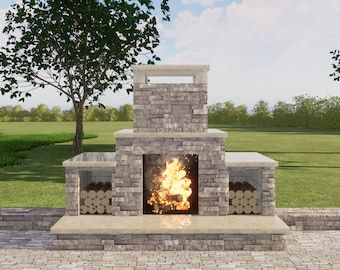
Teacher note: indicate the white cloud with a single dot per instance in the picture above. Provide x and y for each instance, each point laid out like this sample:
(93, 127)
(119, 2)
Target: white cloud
(261, 49)
(200, 2)
(257, 49)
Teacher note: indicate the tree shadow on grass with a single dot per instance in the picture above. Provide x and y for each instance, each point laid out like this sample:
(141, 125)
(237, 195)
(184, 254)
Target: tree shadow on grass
(45, 163)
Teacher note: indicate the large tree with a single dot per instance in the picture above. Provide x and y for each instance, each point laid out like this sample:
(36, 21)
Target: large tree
(336, 65)
(81, 48)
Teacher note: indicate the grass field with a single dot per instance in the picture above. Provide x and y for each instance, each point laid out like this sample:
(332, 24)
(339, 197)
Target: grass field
(308, 176)
(12, 145)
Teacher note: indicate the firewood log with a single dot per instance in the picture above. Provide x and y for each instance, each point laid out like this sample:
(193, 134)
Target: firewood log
(100, 194)
(107, 186)
(99, 186)
(92, 194)
(92, 209)
(177, 198)
(90, 186)
(100, 209)
(166, 209)
(241, 201)
(247, 209)
(88, 201)
(239, 209)
(256, 209)
(83, 194)
(96, 201)
(231, 209)
(108, 194)
(248, 186)
(84, 209)
(235, 202)
(231, 194)
(256, 194)
(105, 202)
(246, 202)
(237, 185)
(247, 194)
(108, 209)
(239, 194)
(252, 202)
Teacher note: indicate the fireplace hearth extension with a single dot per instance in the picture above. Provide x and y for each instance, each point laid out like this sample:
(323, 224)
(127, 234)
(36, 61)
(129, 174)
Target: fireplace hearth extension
(173, 185)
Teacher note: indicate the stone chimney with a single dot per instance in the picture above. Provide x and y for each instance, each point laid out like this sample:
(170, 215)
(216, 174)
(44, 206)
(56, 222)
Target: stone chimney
(170, 107)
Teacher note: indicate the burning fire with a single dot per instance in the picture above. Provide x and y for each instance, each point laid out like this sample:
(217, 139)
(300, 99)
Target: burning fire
(172, 189)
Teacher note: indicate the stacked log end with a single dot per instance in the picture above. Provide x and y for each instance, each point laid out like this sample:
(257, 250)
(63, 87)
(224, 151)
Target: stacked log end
(243, 199)
(96, 198)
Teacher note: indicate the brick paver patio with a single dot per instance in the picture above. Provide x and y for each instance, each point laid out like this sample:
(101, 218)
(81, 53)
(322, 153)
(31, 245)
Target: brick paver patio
(306, 250)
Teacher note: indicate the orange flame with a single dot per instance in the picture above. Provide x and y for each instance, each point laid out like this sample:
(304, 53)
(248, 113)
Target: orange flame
(172, 189)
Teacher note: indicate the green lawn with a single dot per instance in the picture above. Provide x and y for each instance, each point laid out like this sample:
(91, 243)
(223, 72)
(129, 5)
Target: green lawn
(12, 145)
(308, 176)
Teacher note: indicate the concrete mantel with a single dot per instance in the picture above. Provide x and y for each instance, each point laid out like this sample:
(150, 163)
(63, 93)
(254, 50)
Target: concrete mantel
(211, 133)
(142, 72)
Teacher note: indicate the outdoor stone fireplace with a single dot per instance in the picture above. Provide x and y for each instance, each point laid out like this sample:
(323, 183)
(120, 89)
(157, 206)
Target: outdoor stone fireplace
(170, 185)
(170, 120)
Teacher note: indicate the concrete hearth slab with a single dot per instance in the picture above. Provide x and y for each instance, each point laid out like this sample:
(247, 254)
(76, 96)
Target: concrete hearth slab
(170, 224)
(248, 160)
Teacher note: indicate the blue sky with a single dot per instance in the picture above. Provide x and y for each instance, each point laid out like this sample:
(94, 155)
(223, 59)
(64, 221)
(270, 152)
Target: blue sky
(256, 49)
(6, 3)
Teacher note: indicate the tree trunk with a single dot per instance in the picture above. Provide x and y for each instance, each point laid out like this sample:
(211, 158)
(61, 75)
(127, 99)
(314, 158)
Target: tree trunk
(78, 137)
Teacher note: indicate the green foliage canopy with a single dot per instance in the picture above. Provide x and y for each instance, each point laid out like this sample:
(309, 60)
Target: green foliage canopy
(304, 112)
(80, 48)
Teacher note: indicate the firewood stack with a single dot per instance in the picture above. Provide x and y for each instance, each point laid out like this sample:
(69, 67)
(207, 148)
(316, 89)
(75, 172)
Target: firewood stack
(243, 199)
(96, 198)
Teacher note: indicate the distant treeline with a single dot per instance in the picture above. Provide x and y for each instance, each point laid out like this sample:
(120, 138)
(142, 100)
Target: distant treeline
(44, 114)
(304, 111)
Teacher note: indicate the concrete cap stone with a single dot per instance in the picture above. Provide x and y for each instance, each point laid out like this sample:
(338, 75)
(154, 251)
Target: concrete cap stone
(248, 160)
(142, 72)
(92, 159)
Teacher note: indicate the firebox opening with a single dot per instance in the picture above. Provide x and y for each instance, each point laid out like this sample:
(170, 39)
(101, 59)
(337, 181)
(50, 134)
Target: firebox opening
(170, 184)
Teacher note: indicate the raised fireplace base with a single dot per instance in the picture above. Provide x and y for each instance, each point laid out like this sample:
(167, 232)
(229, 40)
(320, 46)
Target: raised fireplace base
(170, 232)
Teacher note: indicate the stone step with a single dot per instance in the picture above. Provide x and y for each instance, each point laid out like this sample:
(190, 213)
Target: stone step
(170, 232)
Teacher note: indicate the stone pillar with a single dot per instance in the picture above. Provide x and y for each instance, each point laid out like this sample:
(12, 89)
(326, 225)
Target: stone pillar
(268, 191)
(72, 180)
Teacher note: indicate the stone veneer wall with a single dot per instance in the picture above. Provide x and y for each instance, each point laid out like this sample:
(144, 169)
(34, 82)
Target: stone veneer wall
(310, 218)
(170, 108)
(206, 242)
(40, 219)
(127, 183)
(263, 179)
